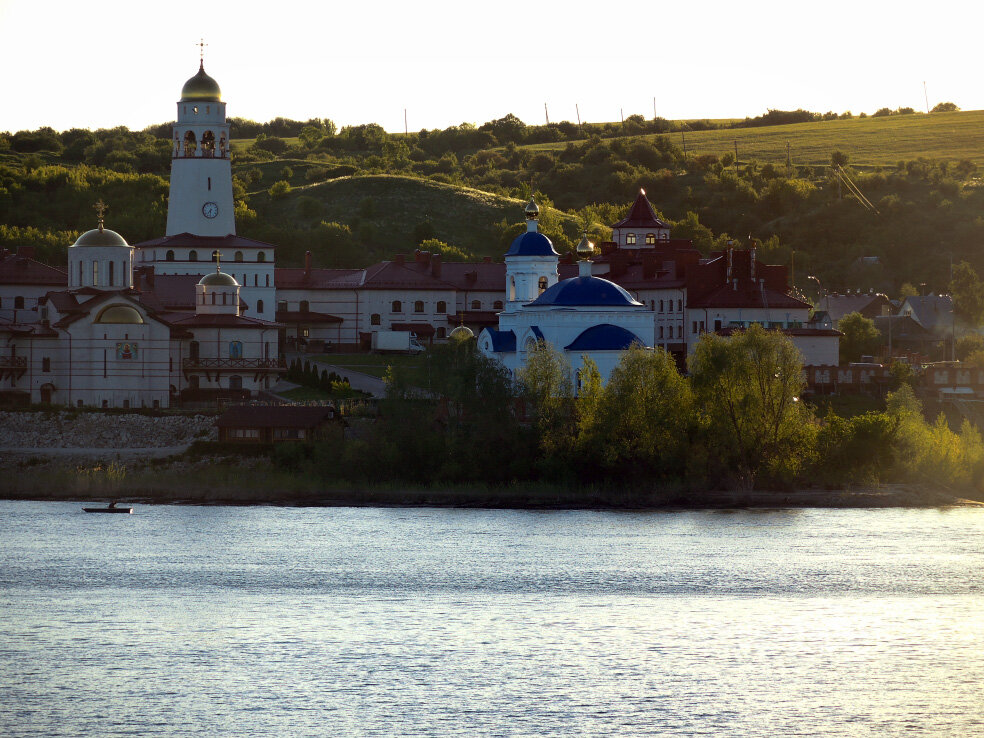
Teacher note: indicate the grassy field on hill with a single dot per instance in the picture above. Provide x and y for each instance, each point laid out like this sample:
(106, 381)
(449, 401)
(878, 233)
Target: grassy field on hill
(868, 141)
(383, 211)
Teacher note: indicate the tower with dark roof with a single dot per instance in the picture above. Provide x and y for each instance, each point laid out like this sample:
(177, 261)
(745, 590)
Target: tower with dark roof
(641, 228)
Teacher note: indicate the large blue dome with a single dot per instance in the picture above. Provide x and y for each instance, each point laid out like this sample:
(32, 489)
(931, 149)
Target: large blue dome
(604, 337)
(531, 243)
(586, 292)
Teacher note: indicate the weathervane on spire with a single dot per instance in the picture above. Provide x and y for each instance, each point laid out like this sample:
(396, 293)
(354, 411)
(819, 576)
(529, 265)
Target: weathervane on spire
(100, 207)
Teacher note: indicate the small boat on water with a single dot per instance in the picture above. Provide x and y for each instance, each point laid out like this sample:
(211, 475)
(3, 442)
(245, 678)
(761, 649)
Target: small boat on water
(111, 508)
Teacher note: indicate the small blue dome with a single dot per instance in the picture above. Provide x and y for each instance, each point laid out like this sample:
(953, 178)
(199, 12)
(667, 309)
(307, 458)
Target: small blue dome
(586, 292)
(604, 337)
(531, 243)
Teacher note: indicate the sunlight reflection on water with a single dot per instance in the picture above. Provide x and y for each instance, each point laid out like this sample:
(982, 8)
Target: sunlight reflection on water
(281, 621)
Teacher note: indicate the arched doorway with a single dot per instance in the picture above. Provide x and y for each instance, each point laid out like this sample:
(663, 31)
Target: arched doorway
(47, 393)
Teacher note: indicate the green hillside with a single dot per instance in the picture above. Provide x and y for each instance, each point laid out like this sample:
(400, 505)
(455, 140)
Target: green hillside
(388, 214)
(357, 195)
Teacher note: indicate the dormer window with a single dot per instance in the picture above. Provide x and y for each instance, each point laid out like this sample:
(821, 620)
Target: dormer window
(630, 239)
(650, 239)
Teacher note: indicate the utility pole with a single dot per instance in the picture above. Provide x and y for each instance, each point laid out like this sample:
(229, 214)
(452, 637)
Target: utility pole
(789, 161)
(577, 111)
(654, 109)
(621, 112)
(546, 113)
(406, 128)
(736, 157)
(926, 94)
(683, 135)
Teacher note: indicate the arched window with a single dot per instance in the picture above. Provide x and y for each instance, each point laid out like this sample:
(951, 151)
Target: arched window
(213, 298)
(304, 306)
(192, 256)
(256, 280)
(259, 306)
(238, 256)
(629, 239)
(208, 143)
(512, 288)
(650, 239)
(418, 306)
(476, 305)
(679, 306)
(235, 382)
(224, 295)
(396, 307)
(190, 143)
(374, 319)
(112, 275)
(19, 302)
(169, 256)
(215, 256)
(441, 333)
(95, 274)
(497, 305)
(261, 257)
(542, 284)
(442, 307)
(267, 280)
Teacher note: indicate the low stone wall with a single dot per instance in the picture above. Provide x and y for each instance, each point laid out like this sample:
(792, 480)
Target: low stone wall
(102, 430)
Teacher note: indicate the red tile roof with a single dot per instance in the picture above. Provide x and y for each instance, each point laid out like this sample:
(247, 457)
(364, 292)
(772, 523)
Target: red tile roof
(318, 279)
(217, 321)
(642, 215)
(390, 275)
(23, 270)
(296, 316)
(746, 297)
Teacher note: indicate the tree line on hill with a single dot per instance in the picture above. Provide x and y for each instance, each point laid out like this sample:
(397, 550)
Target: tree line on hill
(737, 421)
(922, 213)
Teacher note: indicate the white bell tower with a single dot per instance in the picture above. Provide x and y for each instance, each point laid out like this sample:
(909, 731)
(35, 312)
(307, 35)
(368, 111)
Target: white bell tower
(201, 174)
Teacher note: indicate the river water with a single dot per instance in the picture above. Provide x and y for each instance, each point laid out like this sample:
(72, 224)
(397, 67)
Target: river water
(262, 621)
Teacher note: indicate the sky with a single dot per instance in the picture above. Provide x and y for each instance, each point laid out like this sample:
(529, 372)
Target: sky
(103, 63)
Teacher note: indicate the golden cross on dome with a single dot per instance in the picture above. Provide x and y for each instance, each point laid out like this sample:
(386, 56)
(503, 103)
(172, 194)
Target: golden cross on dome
(100, 207)
(218, 256)
(201, 50)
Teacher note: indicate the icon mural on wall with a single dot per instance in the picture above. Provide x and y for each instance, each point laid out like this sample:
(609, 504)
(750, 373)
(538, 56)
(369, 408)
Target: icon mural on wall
(235, 349)
(126, 350)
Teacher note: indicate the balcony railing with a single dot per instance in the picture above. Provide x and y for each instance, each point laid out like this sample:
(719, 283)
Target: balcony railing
(212, 365)
(13, 362)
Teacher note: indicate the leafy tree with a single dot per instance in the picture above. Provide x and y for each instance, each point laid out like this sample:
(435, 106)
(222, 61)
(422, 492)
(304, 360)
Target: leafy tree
(279, 189)
(944, 107)
(967, 292)
(839, 159)
(749, 385)
(639, 424)
(908, 290)
(860, 337)
(972, 343)
(547, 388)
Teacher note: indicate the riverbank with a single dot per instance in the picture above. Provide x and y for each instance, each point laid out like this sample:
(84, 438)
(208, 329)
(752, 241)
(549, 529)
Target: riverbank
(255, 481)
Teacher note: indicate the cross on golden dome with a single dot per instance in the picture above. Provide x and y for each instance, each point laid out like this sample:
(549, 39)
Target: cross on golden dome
(201, 50)
(100, 207)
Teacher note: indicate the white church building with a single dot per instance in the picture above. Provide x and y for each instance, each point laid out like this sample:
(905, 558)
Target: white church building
(582, 316)
(185, 330)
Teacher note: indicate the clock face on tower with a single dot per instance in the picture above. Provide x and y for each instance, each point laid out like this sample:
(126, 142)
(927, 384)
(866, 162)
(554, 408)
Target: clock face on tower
(210, 210)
